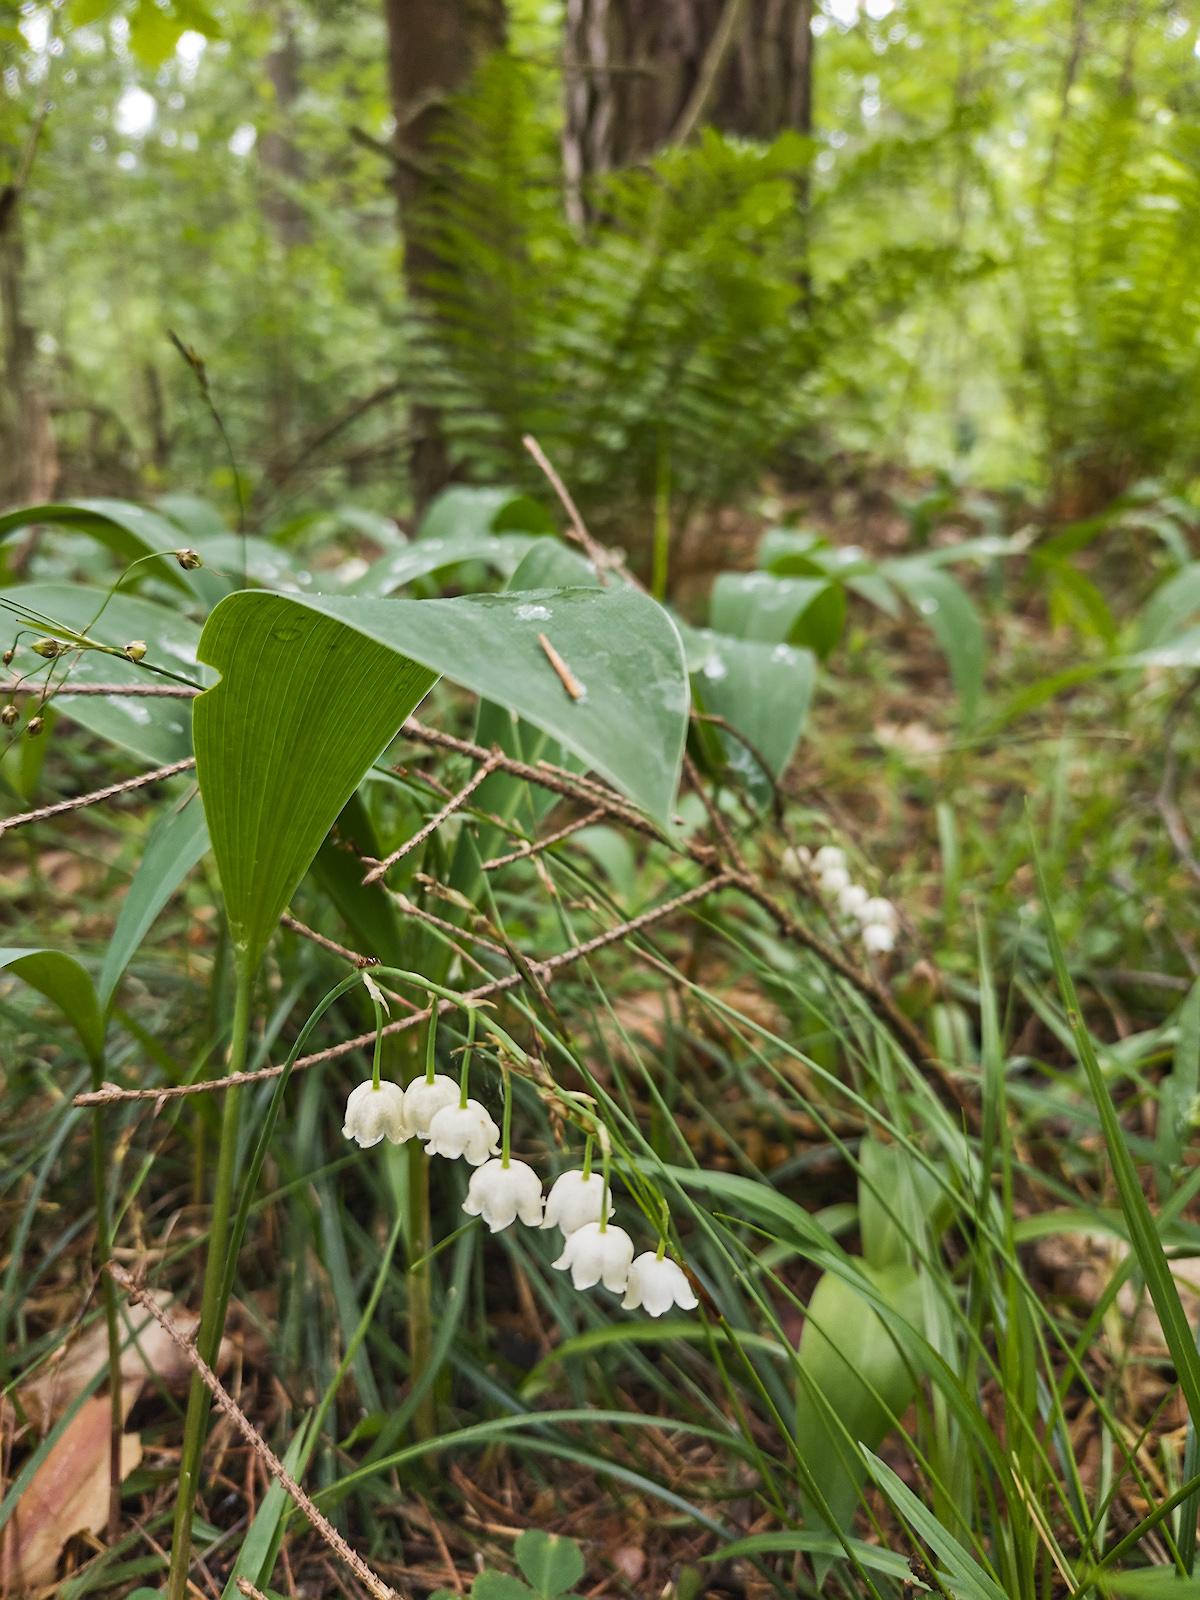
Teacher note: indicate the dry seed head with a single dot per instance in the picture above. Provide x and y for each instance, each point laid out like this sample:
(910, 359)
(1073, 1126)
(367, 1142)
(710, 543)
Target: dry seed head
(189, 560)
(135, 649)
(10, 715)
(34, 726)
(48, 649)
(7, 657)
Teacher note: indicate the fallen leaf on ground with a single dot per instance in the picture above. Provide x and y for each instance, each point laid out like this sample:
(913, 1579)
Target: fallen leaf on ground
(67, 1495)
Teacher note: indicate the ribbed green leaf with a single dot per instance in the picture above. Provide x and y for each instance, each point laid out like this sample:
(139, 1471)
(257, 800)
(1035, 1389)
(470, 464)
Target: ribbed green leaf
(313, 689)
(128, 530)
(64, 982)
(176, 842)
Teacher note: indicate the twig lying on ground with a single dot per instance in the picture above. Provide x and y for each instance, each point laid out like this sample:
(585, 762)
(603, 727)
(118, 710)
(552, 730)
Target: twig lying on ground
(230, 1408)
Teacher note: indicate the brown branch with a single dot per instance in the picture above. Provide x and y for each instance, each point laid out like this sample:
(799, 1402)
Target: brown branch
(544, 968)
(97, 795)
(490, 763)
(536, 846)
(172, 691)
(229, 1407)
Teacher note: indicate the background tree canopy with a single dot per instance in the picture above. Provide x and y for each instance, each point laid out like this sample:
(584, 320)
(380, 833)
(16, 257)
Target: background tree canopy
(680, 243)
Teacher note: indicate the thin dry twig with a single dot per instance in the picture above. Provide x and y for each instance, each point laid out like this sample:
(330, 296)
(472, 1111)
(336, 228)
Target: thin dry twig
(536, 846)
(565, 676)
(490, 762)
(600, 557)
(228, 1407)
(43, 813)
(544, 968)
(164, 691)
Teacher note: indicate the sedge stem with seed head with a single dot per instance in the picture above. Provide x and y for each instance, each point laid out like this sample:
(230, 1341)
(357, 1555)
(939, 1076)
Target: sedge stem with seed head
(214, 1302)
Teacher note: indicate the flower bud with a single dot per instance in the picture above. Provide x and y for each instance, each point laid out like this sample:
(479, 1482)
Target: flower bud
(10, 715)
(48, 649)
(189, 560)
(34, 726)
(7, 657)
(135, 649)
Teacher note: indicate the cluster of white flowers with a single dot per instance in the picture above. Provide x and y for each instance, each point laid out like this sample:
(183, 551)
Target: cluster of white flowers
(502, 1190)
(874, 917)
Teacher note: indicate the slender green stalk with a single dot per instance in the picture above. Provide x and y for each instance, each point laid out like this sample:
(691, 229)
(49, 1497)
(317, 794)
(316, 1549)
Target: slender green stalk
(108, 1290)
(214, 1302)
(420, 1285)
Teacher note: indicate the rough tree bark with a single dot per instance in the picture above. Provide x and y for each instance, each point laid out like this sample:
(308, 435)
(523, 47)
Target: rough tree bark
(642, 73)
(433, 48)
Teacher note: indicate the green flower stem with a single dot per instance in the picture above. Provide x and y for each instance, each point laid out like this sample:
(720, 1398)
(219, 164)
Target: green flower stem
(108, 1291)
(420, 1286)
(587, 1157)
(506, 1130)
(214, 1302)
(607, 1187)
(377, 1058)
(468, 1051)
(431, 1047)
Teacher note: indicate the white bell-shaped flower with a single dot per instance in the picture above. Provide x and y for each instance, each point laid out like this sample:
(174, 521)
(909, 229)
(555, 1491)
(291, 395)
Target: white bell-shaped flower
(463, 1131)
(657, 1285)
(596, 1254)
(829, 857)
(500, 1194)
(878, 938)
(879, 910)
(574, 1201)
(423, 1100)
(373, 1114)
(796, 860)
(852, 899)
(834, 880)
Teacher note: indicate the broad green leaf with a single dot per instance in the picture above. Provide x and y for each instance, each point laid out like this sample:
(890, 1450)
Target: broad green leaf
(425, 556)
(898, 1199)
(550, 1562)
(303, 708)
(312, 691)
(1169, 607)
(129, 531)
(64, 982)
(755, 605)
(175, 844)
(464, 512)
(942, 602)
(198, 518)
(762, 690)
(157, 729)
(970, 1580)
(851, 1366)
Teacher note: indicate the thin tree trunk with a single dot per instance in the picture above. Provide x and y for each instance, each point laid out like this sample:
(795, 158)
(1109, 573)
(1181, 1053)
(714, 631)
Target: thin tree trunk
(434, 47)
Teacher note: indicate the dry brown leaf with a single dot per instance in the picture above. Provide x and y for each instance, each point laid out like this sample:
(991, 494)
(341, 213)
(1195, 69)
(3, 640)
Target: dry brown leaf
(68, 1495)
(148, 1352)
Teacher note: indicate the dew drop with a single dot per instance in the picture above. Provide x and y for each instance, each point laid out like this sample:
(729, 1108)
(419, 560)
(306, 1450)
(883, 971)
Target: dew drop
(532, 613)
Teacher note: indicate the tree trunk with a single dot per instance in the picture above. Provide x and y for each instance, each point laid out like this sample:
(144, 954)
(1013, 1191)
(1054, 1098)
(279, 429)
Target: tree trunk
(433, 48)
(28, 454)
(643, 73)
